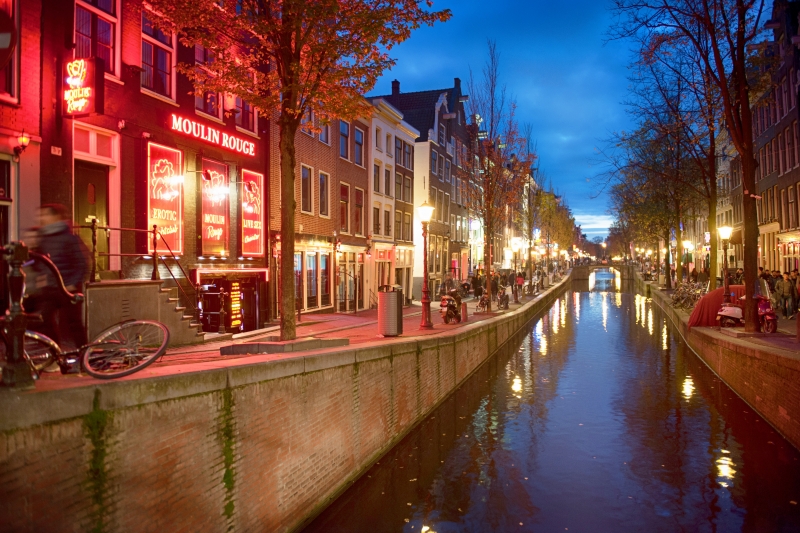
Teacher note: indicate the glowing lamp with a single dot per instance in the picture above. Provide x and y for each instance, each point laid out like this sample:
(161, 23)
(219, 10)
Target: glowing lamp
(688, 245)
(425, 212)
(725, 232)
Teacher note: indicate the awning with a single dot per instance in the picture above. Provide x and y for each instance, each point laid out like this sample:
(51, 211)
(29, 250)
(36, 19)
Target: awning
(789, 236)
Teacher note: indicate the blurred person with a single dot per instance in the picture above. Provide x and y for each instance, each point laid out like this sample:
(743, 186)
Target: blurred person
(62, 320)
(785, 293)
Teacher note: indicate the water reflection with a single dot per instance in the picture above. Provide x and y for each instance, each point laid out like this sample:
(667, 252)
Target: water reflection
(576, 429)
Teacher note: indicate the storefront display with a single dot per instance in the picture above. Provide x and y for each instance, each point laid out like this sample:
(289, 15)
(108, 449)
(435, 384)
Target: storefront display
(252, 214)
(215, 223)
(165, 197)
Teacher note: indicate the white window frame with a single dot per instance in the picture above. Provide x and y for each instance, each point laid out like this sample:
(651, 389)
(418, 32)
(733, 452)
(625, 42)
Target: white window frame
(326, 128)
(173, 65)
(220, 100)
(389, 144)
(115, 75)
(339, 206)
(310, 192)
(306, 122)
(378, 138)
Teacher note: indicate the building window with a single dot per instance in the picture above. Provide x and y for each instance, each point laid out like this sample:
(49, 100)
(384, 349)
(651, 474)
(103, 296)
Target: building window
(432, 200)
(359, 214)
(440, 203)
(344, 208)
(453, 227)
(9, 75)
(324, 180)
(307, 123)
(387, 221)
(447, 171)
(792, 208)
(398, 226)
(325, 279)
(398, 186)
(344, 140)
(245, 115)
(95, 31)
(376, 220)
(325, 133)
(206, 101)
(398, 151)
(359, 138)
(408, 160)
(389, 144)
(434, 161)
(157, 53)
(446, 207)
(305, 190)
(441, 166)
(441, 135)
(387, 182)
(376, 178)
(407, 227)
(311, 280)
(407, 191)
(378, 139)
(790, 146)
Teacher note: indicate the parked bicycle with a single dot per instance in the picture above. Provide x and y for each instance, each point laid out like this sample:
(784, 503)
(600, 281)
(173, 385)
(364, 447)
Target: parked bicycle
(687, 294)
(120, 350)
(483, 303)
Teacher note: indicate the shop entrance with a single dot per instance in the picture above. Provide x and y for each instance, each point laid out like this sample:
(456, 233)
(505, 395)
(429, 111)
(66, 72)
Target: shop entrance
(241, 298)
(91, 201)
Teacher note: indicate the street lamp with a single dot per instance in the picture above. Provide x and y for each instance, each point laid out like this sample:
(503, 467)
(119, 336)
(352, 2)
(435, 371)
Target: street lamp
(425, 212)
(725, 235)
(687, 245)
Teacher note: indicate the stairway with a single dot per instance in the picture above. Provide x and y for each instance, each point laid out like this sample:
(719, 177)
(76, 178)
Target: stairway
(113, 301)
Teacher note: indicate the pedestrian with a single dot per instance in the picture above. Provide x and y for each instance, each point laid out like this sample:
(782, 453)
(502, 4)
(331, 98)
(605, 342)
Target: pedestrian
(785, 293)
(61, 319)
(520, 283)
(738, 278)
(494, 286)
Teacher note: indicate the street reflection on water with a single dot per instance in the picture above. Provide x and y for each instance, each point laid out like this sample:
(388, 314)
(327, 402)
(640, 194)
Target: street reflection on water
(598, 419)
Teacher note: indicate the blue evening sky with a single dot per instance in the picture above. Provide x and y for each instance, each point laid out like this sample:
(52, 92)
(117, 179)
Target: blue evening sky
(568, 84)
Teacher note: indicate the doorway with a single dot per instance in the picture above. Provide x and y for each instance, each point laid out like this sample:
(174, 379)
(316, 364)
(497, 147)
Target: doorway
(91, 201)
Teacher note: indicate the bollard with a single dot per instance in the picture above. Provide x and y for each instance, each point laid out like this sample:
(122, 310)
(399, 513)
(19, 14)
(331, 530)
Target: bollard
(463, 311)
(16, 372)
(155, 275)
(93, 275)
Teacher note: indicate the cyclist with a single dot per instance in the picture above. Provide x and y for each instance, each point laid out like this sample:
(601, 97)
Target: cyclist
(67, 251)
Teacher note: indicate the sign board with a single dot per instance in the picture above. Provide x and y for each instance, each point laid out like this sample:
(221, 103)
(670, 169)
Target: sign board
(215, 223)
(212, 135)
(252, 214)
(84, 88)
(165, 196)
(236, 305)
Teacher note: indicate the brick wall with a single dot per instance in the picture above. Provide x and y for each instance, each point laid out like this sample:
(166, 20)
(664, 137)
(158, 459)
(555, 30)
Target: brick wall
(261, 445)
(768, 380)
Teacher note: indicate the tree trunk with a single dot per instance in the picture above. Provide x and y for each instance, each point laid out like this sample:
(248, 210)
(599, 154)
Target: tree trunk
(679, 251)
(750, 241)
(667, 269)
(712, 230)
(487, 261)
(286, 288)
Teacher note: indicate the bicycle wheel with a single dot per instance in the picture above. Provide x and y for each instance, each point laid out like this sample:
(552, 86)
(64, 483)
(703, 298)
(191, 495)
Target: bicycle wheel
(40, 349)
(125, 348)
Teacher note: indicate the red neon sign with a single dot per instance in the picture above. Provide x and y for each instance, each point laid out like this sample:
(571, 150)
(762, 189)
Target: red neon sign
(212, 135)
(165, 196)
(214, 224)
(83, 94)
(252, 214)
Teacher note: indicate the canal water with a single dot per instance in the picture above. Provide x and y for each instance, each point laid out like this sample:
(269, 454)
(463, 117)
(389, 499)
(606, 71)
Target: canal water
(599, 419)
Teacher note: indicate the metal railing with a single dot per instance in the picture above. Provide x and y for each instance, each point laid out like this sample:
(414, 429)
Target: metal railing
(155, 235)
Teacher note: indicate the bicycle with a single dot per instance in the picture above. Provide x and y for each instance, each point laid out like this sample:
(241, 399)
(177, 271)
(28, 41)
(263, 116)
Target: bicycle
(483, 304)
(118, 351)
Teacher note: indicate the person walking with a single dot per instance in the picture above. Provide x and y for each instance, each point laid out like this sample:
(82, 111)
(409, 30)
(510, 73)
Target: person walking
(61, 319)
(785, 294)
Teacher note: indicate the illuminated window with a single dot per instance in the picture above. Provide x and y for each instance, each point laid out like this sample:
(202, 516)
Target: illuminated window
(9, 75)
(376, 220)
(398, 226)
(387, 182)
(95, 31)
(157, 54)
(407, 227)
(387, 223)
(407, 191)
(398, 151)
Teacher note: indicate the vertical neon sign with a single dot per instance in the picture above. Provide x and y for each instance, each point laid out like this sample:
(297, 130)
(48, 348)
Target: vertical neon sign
(165, 196)
(215, 223)
(252, 214)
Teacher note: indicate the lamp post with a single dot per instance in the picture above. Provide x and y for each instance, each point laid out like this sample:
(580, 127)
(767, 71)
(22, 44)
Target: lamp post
(725, 235)
(687, 245)
(425, 212)
(603, 244)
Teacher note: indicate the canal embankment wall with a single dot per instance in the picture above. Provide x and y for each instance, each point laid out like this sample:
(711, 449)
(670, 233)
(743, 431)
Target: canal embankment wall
(766, 378)
(255, 444)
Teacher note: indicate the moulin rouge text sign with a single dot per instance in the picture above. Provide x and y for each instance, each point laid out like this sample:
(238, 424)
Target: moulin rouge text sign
(252, 214)
(165, 196)
(212, 135)
(83, 91)
(215, 208)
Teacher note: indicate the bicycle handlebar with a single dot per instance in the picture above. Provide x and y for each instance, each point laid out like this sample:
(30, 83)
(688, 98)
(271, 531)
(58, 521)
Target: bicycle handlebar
(74, 297)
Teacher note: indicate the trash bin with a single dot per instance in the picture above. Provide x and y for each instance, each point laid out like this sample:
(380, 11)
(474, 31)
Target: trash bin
(389, 303)
(398, 289)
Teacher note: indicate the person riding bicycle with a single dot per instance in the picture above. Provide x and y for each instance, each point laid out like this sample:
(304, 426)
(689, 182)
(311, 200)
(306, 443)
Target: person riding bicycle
(60, 317)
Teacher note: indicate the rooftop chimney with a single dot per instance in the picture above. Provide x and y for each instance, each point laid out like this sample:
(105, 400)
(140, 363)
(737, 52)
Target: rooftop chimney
(457, 84)
(395, 87)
